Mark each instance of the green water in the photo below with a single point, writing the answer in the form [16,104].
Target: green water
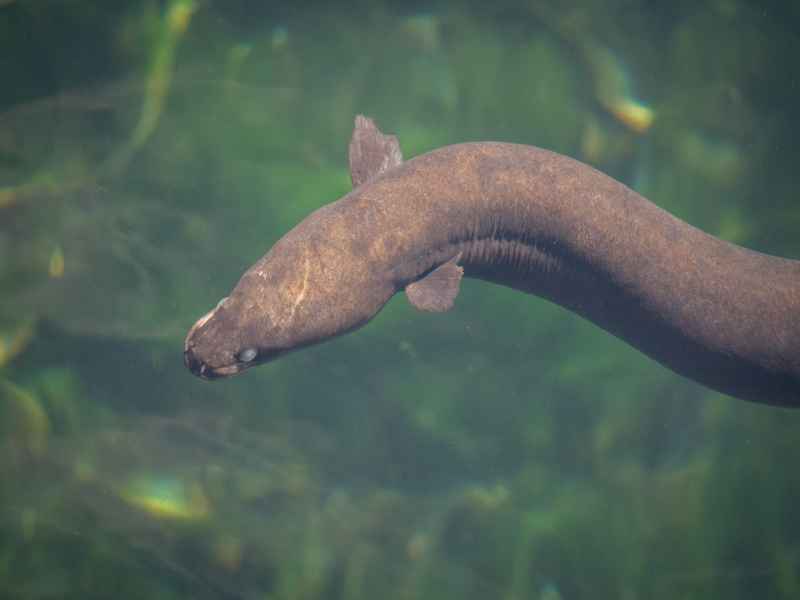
[151,151]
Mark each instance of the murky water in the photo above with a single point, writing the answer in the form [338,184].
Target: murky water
[504,449]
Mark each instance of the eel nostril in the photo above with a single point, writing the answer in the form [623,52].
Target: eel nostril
[192,363]
[188,359]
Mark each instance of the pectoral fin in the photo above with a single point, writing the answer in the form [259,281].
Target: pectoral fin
[371,152]
[437,291]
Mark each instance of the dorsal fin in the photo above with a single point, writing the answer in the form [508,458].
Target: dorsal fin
[371,152]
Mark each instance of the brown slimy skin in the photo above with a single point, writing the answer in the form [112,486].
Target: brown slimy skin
[536,221]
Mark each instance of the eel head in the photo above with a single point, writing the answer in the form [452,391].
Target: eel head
[308,288]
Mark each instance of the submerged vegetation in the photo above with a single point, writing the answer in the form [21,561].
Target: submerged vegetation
[505,449]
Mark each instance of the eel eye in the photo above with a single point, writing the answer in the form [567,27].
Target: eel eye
[248,355]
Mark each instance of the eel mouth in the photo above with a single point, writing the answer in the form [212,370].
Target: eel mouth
[204,371]
[197,366]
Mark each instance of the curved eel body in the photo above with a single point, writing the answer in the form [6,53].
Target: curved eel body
[539,222]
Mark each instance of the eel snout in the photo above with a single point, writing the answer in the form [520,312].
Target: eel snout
[202,370]
[198,366]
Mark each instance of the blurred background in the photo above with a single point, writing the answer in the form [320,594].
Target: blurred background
[151,151]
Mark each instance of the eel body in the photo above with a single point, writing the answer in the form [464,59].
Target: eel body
[722,315]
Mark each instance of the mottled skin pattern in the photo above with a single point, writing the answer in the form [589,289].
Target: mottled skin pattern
[541,223]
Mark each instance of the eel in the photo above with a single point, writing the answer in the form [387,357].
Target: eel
[519,216]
